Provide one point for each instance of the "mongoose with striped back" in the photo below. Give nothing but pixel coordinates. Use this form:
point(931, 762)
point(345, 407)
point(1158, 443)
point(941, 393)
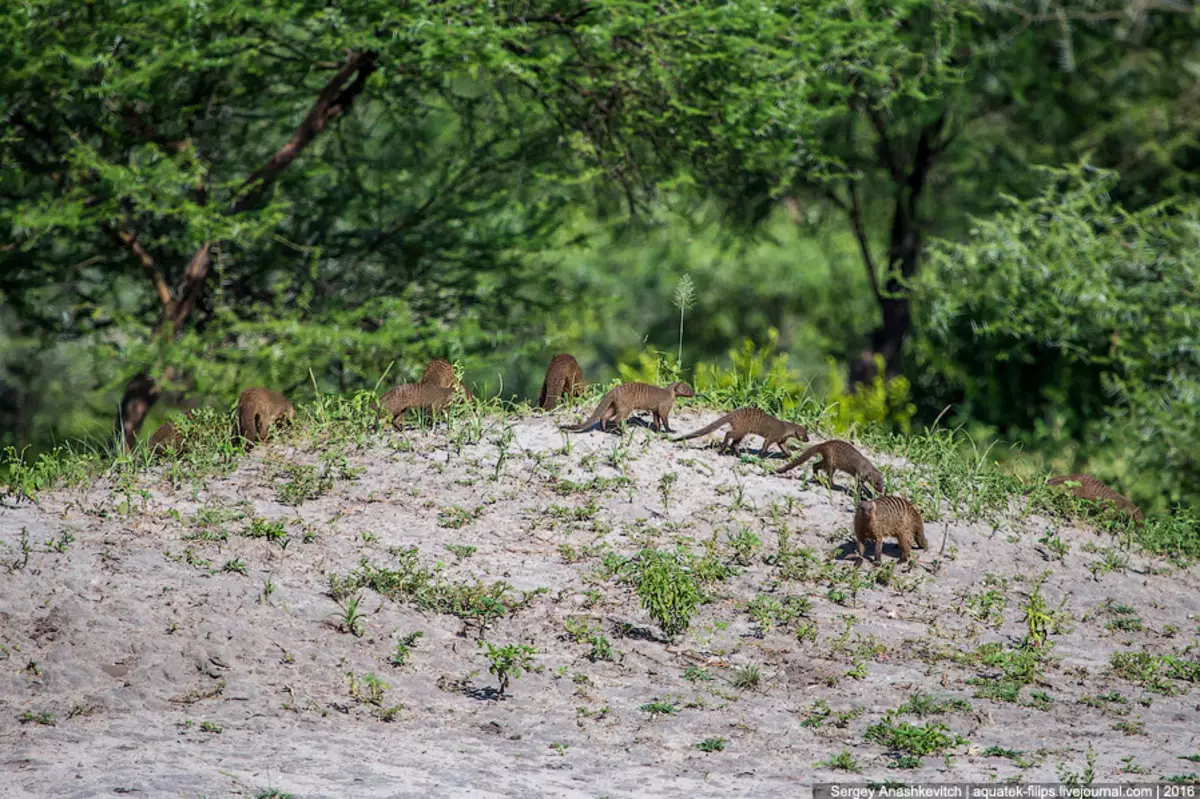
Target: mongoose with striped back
point(440, 372)
point(837, 455)
point(1090, 488)
point(888, 517)
point(563, 376)
point(620, 402)
point(167, 438)
point(408, 396)
point(752, 421)
point(259, 409)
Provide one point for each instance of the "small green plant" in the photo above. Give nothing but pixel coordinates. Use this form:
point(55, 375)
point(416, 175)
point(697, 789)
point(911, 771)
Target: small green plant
point(351, 618)
point(461, 551)
point(683, 298)
point(404, 648)
point(367, 689)
point(665, 484)
point(265, 528)
point(45, 718)
point(842, 761)
point(657, 708)
point(696, 674)
point(235, 566)
point(560, 748)
point(913, 739)
point(711, 745)
point(210, 726)
point(1040, 620)
point(508, 662)
point(744, 544)
point(667, 589)
point(747, 678)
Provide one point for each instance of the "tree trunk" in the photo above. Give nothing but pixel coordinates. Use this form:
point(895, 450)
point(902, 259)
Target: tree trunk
point(334, 101)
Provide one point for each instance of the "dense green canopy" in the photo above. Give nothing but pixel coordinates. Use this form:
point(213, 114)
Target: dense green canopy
point(194, 197)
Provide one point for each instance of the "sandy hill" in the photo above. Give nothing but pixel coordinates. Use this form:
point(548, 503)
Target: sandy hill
point(255, 632)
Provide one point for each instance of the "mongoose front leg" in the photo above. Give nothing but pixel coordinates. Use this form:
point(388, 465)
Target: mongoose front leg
point(783, 447)
point(879, 552)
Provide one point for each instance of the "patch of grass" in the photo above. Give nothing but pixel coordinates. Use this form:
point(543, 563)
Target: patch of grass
point(842, 761)
point(461, 551)
point(769, 612)
point(404, 648)
point(476, 604)
point(920, 704)
point(302, 483)
point(267, 529)
point(508, 662)
point(453, 517)
point(658, 708)
point(913, 739)
point(747, 678)
point(667, 588)
point(44, 718)
point(711, 745)
point(1156, 673)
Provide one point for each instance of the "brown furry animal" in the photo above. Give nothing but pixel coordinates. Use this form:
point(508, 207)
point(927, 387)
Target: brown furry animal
point(752, 421)
point(1090, 488)
point(408, 396)
point(837, 455)
point(165, 439)
point(888, 517)
point(259, 409)
point(620, 402)
point(563, 377)
point(440, 372)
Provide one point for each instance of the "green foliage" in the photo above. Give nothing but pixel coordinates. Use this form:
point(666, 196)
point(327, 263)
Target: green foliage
point(1070, 308)
point(668, 589)
point(508, 662)
point(914, 739)
point(885, 401)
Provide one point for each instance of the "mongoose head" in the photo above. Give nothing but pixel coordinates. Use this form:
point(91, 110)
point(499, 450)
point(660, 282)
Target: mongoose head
point(681, 389)
point(877, 482)
point(800, 431)
point(289, 413)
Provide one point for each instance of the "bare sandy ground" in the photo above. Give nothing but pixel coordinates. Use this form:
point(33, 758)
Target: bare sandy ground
point(137, 659)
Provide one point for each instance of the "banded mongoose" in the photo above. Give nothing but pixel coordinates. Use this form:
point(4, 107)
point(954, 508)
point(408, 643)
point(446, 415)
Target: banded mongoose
point(888, 517)
point(837, 455)
point(752, 421)
point(563, 377)
point(618, 403)
point(1090, 488)
point(439, 372)
point(409, 396)
point(259, 409)
point(165, 439)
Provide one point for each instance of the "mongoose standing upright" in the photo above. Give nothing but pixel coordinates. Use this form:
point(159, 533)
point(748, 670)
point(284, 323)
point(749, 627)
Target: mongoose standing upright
point(836, 456)
point(1090, 488)
point(618, 403)
point(439, 372)
point(563, 376)
point(407, 396)
point(752, 421)
point(258, 410)
point(884, 517)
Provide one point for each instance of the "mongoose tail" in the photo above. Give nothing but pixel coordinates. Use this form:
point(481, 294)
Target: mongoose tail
point(801, 459)
point(708, 428)
point(602, 411)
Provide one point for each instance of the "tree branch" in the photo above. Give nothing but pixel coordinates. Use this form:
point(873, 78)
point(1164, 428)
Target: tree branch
point(335, 100)
point(860, 233)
